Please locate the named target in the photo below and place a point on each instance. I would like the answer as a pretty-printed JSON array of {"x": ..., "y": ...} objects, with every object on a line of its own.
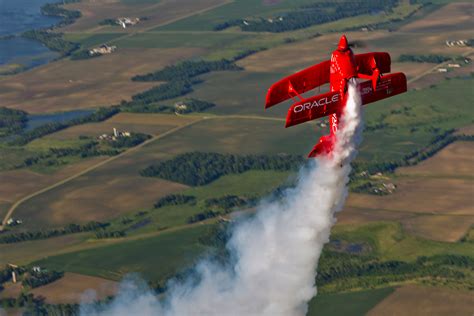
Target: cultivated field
[
  {"x": 430, "y": 211},
  {"x": 68, "y": 85},
  {"x": 157, "y": 12},
  {"x": 73, "y": 288},
  {"x": 433, "y": 199},
  {"x": 417, "y": 300}
]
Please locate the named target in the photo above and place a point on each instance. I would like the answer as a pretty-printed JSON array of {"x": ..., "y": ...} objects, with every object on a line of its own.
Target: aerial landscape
[{"x": 136, "y": 152}]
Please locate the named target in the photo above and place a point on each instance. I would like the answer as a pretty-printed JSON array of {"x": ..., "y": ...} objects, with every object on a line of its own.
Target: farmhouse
[
  {"x": 102, "y": 50},
  {"x": 126, "y": 21}
]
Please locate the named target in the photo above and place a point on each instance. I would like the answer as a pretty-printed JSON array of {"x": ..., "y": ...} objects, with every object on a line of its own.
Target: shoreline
[{"x": 45, "y": 36}]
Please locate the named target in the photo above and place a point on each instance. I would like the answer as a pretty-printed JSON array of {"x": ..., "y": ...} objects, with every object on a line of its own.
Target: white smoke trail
[{"x": 276, "y": 251}]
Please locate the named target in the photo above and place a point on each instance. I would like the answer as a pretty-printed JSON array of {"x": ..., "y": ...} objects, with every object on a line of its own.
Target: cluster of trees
[
  {"x": 12, "y": 121},
  {"x": 175, "y": 199},
  {"x": 199, "y": 217},
  {"x": 438, "y": 142},
  {"x": 9, "y": 238},
  {"x": 226, "y": 202},
  {"x": 423, "y": 58},
  {"x": 52, "y": 157},
  {"x": 226, "y": 24},
  {"x": 83, "y": 54},
  {"x": 195, "y": 105},
  {"x": 99, "y": 115},
  {"x": 187, "y": 69},
  {"x": 143, "y": 102},
  {"x": 197, "y": 168},
  {"x": 37, "y": 279},
  {"x": 55, "y": 9},
  {"x": 126, "y": 142},
  {"x": 110, "y": 234},
  {"x": 53, "y": 41},
  {"x": 312, "y": 14},
  {"x": 37, "y": 306},
  {"x": 345, "y": 271}
]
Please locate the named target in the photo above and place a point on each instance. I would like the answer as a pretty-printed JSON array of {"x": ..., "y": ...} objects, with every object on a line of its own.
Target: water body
[
  {"x": 37, "y": 120},
  {"x": 16, "y": 17}
]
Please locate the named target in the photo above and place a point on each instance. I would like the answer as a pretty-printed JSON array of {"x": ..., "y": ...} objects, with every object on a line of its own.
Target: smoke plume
[{"x": 276, "y": 251}]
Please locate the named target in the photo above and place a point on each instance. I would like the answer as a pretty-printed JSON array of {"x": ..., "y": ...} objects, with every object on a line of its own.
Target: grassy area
[
  {"x": 352, "y": 303},
  {"x": 156, "y": 258},
  {"x": 190, "y": 39},
  {"x": 234, "y": 10},
  {"x": 390, "y": 242},
  {"x": 89, "y": 40},
  {"x": 257, "y": 184}
]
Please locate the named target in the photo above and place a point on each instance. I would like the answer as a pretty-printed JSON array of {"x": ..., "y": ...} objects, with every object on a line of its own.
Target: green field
[
  {"x": 352, "y": 303},
  {"x": 156, "y": 258},
  {"x": 234, "y": 10},
  {"x": 89, "y": 40}
]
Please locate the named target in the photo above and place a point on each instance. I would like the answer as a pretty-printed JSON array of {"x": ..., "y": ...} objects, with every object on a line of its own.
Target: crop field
[
  {"x": 18, "y": 183},
  {"x": 352, "y": 303},
  {"x": 152, "y": 124},
  {"x": 452, "y": 17},
  {"x": 431, "y": 212},
  {"x": 67, "y": 85},
  {"x": 417, "y": 300},
  {"x": 73, "y": 287},
  {"x": 233, "y": 10},
  {"x": 210, "y": 40},
  {"x": 390, "y": 242},
  {"x": 157, "y": 258},
  {"x": 26, "y": 252},
  {"x": 454, "y": 161},
  {"x": 156, "y": 12}
]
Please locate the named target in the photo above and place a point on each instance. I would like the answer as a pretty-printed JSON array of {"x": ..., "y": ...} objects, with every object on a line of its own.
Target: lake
[{"x": 17, "y": 16}]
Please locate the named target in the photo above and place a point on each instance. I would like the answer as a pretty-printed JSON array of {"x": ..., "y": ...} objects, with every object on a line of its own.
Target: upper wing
[
  {"x": 301, "y": 82},
  {"x": 331, "y": 102},
  {"x": 364, "y": 62}
]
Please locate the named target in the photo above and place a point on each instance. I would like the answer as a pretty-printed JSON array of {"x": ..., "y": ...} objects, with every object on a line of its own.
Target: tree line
[
  {"x": 343, "y": 271},
  {"x": 188, "y": 69},
  {"x": 309, "y": 15},
  {"x": 198, "y": 168},
  {"x": 436, "y": 144},
  {"x": 9, "y": 238},
  {"x": 54, "y": 41},
  {"x": 436, "y": 59},
  {"x": 175, "y": 199},
  {"x": 12, "y": 121},
  {"x": 56, "y": 9}
]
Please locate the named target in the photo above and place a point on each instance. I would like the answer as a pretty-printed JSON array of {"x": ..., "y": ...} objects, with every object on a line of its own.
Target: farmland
[{"x": 429, "y": 214}]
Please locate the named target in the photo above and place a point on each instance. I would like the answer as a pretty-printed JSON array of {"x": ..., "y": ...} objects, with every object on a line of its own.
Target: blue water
[
  {"x": 35, "y": 121},
  {"x": 17, "y": 16}
]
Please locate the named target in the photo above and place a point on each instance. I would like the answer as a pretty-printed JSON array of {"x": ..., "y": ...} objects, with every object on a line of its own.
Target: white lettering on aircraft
[{"x": 316, "y": 103}]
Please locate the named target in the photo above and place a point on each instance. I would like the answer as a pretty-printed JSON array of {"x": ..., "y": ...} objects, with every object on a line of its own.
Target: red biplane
[{"x": 343, "y": 66}]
